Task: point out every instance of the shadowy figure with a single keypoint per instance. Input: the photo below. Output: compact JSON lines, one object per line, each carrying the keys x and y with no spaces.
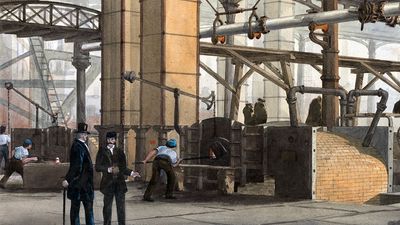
{"x":248,"y":114}
{"x":260,"y":113}
{"x":314,"y":117}
{"x":396,"y":107}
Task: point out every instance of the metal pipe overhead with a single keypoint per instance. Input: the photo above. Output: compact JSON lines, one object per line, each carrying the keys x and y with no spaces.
{"x":89,"y":47}
{"x":335,"y":16}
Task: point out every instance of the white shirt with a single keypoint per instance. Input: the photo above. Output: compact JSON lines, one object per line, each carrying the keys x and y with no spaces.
{"x":109,"y":169}
{"x":111,"y":149}
{"x":4,"y":139}
{"x":164,"y":150}
{"x":21,"y":152}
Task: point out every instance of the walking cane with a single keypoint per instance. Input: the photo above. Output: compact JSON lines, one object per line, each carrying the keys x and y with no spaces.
{"x":64,"y":198}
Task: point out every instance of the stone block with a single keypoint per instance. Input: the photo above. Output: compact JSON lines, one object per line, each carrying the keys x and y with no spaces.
{"x":48,"y":176}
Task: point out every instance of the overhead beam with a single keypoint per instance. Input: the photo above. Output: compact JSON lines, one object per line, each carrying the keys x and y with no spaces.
{"x":15,"y":60}
{"x":20,"y":111}
{"x":258,"y":69}
{"x":255,"y":54}
{"x":317,"y":68}
{"x":245,"y":77}
{"x":32,"y":32}
{"x":10,"y":28}
{"x":393,"y":78}
{"x":274,"y":69}
{"x":380,"y":76}
{"x":38,"y":83}
{"x":372,"y":82}
{"x":217,"y":77}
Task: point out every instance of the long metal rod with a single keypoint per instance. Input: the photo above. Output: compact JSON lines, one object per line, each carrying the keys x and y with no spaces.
{"x":29,"y":100}
{"x":335,"y":16}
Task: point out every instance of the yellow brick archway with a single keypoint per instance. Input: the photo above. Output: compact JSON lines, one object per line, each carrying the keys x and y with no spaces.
{"x":348,"y":172}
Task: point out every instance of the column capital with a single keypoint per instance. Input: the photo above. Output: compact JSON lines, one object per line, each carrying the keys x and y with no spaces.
{"x":141,"y":129}
{"x":81,"y":62}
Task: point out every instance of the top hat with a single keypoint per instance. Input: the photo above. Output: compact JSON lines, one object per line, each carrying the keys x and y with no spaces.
{"x":111,"y":134}
{"x":82,"y":128}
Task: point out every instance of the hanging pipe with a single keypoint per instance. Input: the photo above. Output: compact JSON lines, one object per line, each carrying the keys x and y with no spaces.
{"x":380,"y":107}
{"x":291,"y":99}
{"x":264,"y":25}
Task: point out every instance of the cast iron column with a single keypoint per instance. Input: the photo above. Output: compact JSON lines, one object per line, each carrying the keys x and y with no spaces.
{"x":303,"y":110}
{"x":81,"y":62}
{"x":229,"y":5}
{"x":330,"y":77}
{"x":371,"y":99}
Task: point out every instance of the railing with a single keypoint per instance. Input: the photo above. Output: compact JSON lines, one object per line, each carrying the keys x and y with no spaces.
{"x":50,"y":14}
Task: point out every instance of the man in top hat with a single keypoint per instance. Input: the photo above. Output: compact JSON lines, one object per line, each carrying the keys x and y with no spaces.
{"x":79,"y":179}
{"x":111,"y":161}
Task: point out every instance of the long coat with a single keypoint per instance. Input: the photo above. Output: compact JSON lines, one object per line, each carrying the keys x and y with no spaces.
{"x":109,"y":183}
{"x":80,"y":173}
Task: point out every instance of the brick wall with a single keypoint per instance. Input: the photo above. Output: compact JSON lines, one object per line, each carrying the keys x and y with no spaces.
{"x":348,"y":172}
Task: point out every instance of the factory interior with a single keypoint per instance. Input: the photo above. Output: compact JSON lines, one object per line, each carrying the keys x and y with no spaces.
{"x":302,"y":96}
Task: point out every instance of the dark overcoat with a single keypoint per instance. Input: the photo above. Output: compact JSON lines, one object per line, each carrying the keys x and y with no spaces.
{"x":80,"y":173}
{"x":112,"y":183}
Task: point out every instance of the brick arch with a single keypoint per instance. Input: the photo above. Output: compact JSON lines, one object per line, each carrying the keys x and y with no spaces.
{"x":348,"y":172}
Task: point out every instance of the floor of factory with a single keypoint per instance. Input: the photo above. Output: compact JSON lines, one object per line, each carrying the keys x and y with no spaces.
{"x":17,"y":207}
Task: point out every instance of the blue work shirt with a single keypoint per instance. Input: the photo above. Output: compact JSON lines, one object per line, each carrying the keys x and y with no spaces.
{"x":165,"y":151}
{"x":21,"y":152}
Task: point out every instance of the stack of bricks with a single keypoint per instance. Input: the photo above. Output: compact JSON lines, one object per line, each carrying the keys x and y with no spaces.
{"x":348,"y":172}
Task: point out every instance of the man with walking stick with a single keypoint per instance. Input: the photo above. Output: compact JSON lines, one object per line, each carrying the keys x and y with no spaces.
{"x":111,"y":161}
{"x":79,"y":179}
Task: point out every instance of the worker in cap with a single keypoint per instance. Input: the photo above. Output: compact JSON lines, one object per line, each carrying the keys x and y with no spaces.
{"x":165,"y":159}
{"x":111,"y":162}
{"x":21,"y":156}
